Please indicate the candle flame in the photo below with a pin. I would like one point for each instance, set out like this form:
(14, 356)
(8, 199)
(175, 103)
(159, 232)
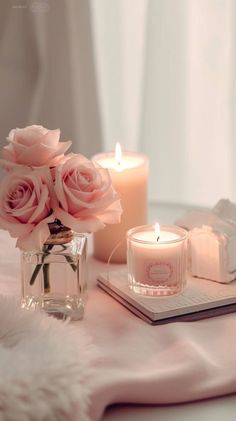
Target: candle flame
(157, 231)
(118, 153)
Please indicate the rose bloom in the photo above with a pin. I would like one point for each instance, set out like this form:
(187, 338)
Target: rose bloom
(86, 198)
(25, 206)
(33, 146)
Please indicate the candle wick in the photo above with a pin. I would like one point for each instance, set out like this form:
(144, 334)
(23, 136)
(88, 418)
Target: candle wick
(158, 237)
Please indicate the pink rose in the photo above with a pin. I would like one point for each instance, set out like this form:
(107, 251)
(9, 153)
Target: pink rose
(25, 206)
(86, 198)
(33, 146)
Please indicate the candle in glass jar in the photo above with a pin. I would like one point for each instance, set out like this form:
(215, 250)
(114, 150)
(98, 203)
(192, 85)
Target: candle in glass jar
(157, 259)
(129, 174)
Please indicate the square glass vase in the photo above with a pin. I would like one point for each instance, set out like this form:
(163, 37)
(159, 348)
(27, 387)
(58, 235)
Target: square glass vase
(54, 279)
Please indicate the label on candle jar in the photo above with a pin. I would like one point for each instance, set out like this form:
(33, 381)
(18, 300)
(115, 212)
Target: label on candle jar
(159, 273)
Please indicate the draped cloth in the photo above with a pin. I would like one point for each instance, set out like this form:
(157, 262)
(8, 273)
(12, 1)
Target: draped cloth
(134, 362)
(158, 76)
(47, 73)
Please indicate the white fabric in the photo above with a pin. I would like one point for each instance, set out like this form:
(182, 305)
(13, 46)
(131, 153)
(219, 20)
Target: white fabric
(135, 362)
(155, 75)
(47, 72)
(166, 87)
(42, 376)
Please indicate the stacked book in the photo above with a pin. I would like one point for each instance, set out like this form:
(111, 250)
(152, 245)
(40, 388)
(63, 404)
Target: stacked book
(200, 299)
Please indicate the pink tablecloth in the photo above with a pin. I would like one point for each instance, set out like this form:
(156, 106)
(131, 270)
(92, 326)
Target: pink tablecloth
(139, 363)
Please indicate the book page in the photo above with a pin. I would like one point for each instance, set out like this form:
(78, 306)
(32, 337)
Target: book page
(198, 295)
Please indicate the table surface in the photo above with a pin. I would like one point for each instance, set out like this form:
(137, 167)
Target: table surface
(209, 409)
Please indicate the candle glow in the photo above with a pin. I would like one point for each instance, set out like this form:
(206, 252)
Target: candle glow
(118, 153)
(157, 230)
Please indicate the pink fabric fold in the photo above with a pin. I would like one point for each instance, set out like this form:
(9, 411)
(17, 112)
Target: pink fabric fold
(166, 364)
(139, 363)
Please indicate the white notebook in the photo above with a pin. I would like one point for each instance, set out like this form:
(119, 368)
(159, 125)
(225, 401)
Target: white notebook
(200, 299)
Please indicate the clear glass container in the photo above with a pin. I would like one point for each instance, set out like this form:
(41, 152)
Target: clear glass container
(54, 280)
(157, 264)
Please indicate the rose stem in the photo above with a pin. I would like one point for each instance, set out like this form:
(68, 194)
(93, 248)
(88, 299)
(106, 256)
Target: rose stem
(69, 260)
(46, 277)
(46, 251)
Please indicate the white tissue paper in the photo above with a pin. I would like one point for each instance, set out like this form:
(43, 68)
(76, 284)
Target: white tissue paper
(212, 242)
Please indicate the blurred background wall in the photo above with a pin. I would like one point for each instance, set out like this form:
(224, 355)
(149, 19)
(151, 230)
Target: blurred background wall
(156, 75)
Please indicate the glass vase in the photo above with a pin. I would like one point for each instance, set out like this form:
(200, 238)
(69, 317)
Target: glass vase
(54, 279)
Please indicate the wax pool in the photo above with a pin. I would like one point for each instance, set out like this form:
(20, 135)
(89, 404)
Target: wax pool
(129, 178)
(157, 267)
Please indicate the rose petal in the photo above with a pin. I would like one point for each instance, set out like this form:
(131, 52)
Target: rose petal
(22, 198)
(59, 190)
(37, 237)
(92, 224)
(8, 165)
(23, 218)
(29, 135)
(41, 211)
(8, 153)
(11, 135)
(108, 215)
(15, 229)
(61, 149)
(61, 159)
(73, 201)
(34, 155)
(51, 138)
(17, 148)
(86, 196)
(22, 207)
(93, 203)
(34, 146)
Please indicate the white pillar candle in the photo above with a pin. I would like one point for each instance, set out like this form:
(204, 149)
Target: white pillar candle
(157, 260)
(129, 174)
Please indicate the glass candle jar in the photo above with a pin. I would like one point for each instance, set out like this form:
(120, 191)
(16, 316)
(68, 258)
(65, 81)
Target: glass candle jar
(157, 264)
(54, 279)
